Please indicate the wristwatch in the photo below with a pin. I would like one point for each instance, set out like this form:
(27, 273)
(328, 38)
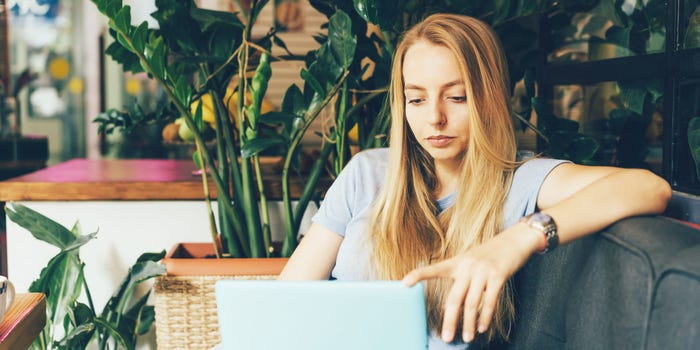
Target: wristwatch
(544, 223)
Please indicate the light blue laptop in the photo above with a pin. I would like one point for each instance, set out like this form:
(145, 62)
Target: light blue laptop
(321, 315)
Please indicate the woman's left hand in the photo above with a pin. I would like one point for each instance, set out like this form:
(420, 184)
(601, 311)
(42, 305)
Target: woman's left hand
(479, 276)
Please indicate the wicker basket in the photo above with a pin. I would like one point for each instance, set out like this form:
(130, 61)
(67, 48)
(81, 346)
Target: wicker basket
(186, 316)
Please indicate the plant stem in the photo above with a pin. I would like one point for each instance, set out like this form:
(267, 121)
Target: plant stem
(267, 239)
(290, 238)
(250, 202)
(340, 129)
(310, 185)
(88, 295)
(210, 211)
(531, 126)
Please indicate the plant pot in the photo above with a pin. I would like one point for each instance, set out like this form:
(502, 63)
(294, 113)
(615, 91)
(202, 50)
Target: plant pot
(185, 301)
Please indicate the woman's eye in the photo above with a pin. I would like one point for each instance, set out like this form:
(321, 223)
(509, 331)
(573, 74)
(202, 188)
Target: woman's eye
(414, 101)
(458, 98)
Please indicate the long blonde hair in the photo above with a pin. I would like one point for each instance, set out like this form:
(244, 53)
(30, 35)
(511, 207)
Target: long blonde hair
(407, 229)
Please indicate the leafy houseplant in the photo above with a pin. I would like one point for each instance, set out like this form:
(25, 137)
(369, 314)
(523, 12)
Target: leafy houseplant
(72, 324)
(197, 52)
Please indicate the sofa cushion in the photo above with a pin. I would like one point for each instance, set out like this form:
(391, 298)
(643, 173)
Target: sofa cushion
(675, 311)
(595, 293)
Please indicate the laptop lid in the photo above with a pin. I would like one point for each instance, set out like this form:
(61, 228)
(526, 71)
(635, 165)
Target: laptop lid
(321, 315)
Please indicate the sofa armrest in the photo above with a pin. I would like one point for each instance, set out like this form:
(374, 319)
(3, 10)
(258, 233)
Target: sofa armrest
(596, 293)
(674, 321)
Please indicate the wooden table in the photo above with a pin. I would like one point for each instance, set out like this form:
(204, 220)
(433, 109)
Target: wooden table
(120, 179)
(23, 322)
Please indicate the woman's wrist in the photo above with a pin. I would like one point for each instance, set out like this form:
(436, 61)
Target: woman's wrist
(546, 227)
(526, 238)
(533, 237)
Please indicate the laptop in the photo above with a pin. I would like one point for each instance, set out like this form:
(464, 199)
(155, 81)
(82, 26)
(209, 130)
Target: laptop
(321, 315)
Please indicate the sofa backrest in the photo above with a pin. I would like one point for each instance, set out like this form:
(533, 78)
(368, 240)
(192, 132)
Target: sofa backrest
(636, 285)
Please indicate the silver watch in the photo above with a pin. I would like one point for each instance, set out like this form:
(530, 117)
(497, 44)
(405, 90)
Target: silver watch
(547, 226)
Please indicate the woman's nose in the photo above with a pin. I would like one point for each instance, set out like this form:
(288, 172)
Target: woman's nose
(436, 115)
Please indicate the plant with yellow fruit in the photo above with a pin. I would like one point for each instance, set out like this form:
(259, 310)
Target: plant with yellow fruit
(203, 59)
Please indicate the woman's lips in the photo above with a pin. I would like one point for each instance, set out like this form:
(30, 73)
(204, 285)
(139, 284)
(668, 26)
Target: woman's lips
(440, 141)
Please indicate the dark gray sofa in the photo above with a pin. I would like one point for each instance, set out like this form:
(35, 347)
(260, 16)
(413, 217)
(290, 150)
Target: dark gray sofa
(636, 285)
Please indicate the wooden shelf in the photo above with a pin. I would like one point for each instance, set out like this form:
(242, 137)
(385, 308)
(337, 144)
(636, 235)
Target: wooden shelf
(23, 321)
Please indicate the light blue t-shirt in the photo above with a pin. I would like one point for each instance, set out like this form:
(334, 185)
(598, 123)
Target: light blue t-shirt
(347, 206)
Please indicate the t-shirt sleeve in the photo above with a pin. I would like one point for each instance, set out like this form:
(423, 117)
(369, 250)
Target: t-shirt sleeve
(337, 207)
(527, 182)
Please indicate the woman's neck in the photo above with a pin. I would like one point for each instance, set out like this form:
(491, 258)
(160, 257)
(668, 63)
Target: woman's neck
(447, 178)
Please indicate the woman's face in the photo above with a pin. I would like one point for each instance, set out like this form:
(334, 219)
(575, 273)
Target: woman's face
(436, 105)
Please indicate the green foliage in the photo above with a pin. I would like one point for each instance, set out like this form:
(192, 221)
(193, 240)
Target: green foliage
(196, 52)
(71, 324)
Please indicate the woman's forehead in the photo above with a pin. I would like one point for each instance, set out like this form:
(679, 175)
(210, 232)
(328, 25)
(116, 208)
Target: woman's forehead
(427, 63)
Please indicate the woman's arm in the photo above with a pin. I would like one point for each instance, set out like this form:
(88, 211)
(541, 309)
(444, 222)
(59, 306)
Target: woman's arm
(580, 199)
(314, 258)
(584, 199)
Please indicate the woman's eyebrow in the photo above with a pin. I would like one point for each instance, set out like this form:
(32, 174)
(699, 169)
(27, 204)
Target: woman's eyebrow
(444, 86)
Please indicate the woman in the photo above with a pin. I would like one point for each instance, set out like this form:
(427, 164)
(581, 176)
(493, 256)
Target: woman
(449, 202)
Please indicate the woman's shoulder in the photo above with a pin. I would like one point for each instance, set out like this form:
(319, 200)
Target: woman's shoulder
(371, 160)
(373, 155)
(534, 166)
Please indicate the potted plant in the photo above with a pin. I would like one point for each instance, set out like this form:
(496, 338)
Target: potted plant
(77, 324)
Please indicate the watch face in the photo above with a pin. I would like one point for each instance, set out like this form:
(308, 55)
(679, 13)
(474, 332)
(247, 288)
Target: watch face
(541, 218)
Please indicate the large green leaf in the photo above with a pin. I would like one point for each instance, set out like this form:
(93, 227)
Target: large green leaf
(341, 40)
(179, 29)
(139, 37)
(106, 328)
(80, 241)
(694, 143)
(141, 271)
(293, 101)
(122, 20)
(108, 7)
(151, 256)
(156, 56)
(75, 339)
(41, 227)
(138, 319)
(258, 145)
(61, 281)
(380, 12)
(634, 96)
(129, 61)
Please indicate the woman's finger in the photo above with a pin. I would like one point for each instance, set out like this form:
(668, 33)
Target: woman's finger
(453, 305)
(440, 269)
(471, 305)
(493, 290)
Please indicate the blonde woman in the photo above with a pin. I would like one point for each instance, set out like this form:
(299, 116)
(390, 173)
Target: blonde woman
(450, 203)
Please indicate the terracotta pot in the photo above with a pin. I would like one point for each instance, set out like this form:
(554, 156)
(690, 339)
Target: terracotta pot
(189, 259)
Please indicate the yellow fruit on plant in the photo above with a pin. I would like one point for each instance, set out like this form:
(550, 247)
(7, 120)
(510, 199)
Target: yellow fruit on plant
(171, 132)
(353, 135)
(184, 131)
(231, 102)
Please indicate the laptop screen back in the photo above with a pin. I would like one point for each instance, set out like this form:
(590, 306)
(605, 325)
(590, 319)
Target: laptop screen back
(321, 315)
